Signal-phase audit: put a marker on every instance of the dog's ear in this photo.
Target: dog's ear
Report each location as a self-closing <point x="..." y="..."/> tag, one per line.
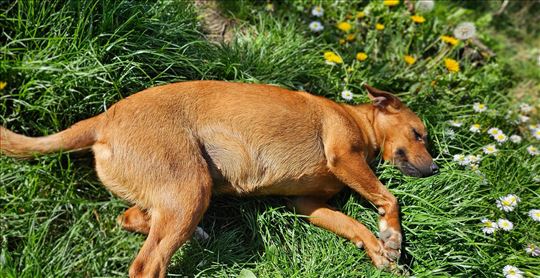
<point x="383" y="100"/>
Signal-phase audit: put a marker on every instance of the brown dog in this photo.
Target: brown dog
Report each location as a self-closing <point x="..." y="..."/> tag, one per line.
<point x="168" y="148"/>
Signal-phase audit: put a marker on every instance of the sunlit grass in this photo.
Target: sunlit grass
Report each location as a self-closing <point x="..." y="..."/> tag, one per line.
<point x="67" y="60"/>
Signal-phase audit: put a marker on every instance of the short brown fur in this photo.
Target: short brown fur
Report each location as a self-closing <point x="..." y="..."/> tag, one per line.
<point x="168" y="148"/>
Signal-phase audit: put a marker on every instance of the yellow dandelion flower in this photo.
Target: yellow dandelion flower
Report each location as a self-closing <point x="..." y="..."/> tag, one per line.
<point x="3" y="85"/>
<point x="390" y="3"/>
<point x="451" y="64"/>
<point x="360" y="14"/>
<point x="342" y="41"/>
<point x="449" y="39"/>
<point x="361" y="56"/>
<point x="344" y="26"/>
<point x="332" y="57"/>
<point x="409" y="59"/>
<point x="418" y="19"/>
<point x="379" y="26"/>
<point x="350" y="37"/>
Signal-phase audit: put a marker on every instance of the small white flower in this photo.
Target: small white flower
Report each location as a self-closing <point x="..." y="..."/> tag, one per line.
<point x="489" y="226"/>
<point x="536" y="178"/>
<point x="533" y="127"/>
<point x="473" y="159"/>
<point x="510" y="271"/>
<point x="475" y="128"/>
<point x="501" y="138"/>
<point x="515" y="139"/>
<point x="347" y="95"/>
<point x="479" y="107"/>
<point x="316" y="26"/>
<point x="455" y="123"/>
<point x="450" y="133"/>
<point x="532" y="250"/>
<point x="525" y="108"/>
<point x="494" y="131"/>
<point x="460" y="159"/>
<point x="523" y="118"/>
<point x="533" y="150"/>
<point x="536" y="133"/>
<point x="505" y="224"/>
<point x="535" y="214"/>
<point x="425" y="6"/>
<point x="317" y="11"/>
<point x="465" y="30"/>
<point x="508" y="203"/>
<point x="489" y="149"/>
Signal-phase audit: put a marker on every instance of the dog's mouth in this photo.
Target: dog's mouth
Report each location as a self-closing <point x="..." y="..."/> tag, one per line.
<point x="408" y="169"/>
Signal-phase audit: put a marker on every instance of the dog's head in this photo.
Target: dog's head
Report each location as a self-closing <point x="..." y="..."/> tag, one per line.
<point x="401" y="135"/>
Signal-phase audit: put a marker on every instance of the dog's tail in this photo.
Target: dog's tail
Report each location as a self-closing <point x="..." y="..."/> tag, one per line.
<point x="81" y="135"/>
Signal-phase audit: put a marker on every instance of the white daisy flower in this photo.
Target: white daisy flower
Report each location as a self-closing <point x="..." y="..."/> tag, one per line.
<point x="424" y="6"/>
<point x="510" y="271"/>
<point x="532" y="250"/>
<point x="347" y="95"/>
<point x="455" y="123"/>
<point x="460" y="159"/>
<point x="533" y="150"/>
<point x="474" y="167"/>
<point x="490" y="149"/>
<point x="534" y="127"/>
<point x="488" y="226"/>
<point x="523" y="118"/>
<point x="473" y="159"/>
<point x="508" y="203"/>
<point x="317" y="11"/>
<point x="501" y="138"/>
<point x="505" y="224"/>
<point x="494" y="131"/>
<point x="475" y="128"/>
<point x="525" y="108"/>
<point x="515" y="139"/>
<point x="465" y="30"/>
<point x="479" y="107"/>
<point x="316" y="26"/>
<point x="536" y="133"/>
<point x="535" y="214"/>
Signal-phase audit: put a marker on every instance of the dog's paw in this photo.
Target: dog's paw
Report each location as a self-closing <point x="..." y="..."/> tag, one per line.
<point x="391" y="240"/>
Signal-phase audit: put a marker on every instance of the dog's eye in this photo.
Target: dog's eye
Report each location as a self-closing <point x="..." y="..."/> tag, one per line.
<point x="417" y="135"/>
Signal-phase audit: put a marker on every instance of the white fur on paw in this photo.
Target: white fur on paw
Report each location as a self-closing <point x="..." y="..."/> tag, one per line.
<point x="200" y="234"/>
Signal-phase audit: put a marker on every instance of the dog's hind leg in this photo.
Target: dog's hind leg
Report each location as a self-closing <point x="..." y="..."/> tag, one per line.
<point x="171" y="224"/>
<point x="320" y="214"/>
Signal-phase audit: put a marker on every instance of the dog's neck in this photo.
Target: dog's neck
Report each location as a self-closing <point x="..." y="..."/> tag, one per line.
<point x="364" y="116"/>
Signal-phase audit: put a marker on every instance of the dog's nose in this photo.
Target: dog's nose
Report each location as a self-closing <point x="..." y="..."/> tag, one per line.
<point x="434" y="168"/>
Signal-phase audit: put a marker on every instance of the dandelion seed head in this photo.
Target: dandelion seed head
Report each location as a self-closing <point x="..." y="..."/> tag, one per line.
<point x="425" y="6"/>
<point x="515" y="139"/>
<point x="465" y="30"/>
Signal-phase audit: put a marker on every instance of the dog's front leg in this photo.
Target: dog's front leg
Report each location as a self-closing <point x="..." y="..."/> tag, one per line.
<point x="321" y="215"/>
<point x="351" y="168"/>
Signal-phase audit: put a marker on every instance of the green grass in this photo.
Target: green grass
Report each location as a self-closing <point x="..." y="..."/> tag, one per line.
<point x="68" y="60"/>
